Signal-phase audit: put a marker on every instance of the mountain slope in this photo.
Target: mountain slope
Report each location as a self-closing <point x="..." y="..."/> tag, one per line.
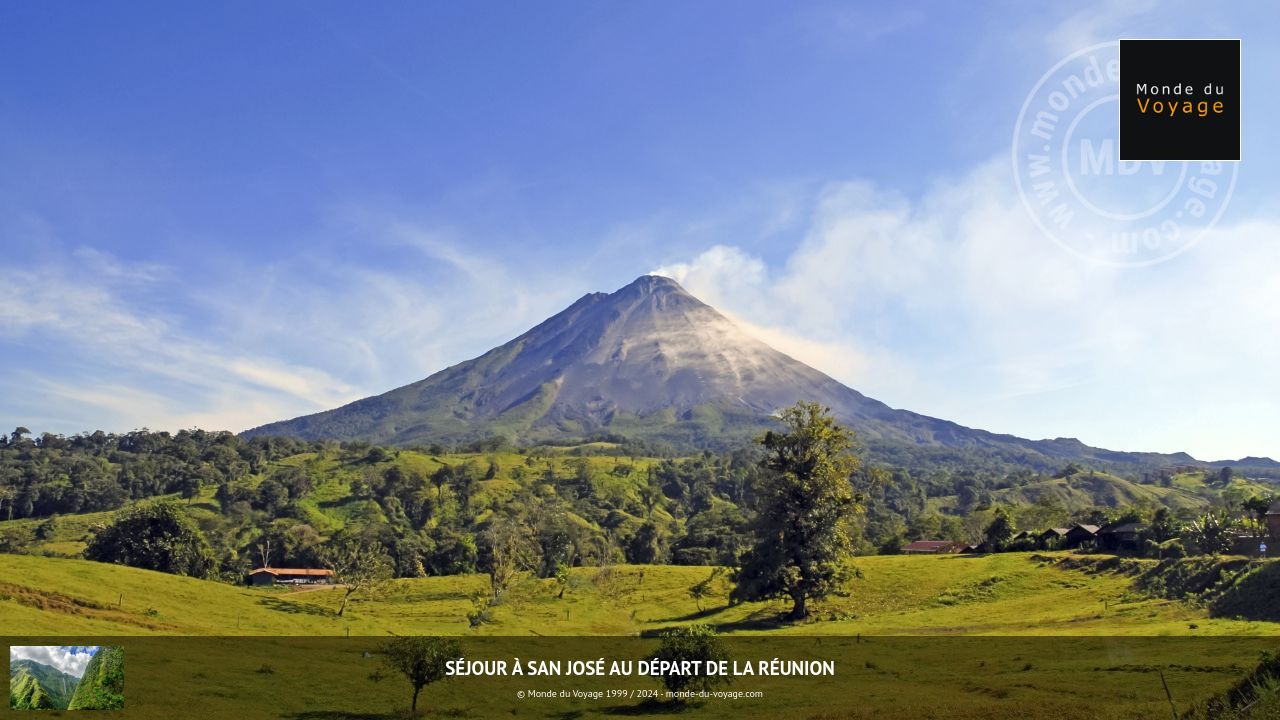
<point x="102" y="687"/>
<point x="36" y="686"/>
<point x="648" y="361"/>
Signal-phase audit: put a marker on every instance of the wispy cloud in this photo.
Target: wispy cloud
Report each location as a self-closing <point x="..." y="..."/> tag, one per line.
<point x="117" y="345"/>
<point x="91" y="318"/>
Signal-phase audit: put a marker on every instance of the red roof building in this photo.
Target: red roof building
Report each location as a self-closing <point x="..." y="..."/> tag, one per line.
<point x="290" y="576"/>
<point x="934" y="547"/>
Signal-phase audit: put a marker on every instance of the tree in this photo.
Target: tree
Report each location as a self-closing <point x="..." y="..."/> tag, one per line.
<point x="509" y="548"/>
<point x="998" y="534"/>
<point x="1211" y="533"/>
<point x="153" y="536"/>
<point x="1225" y="475"/>
<point x="359" y="566"/>
<point x="651" y="497"/>
<point x="1257" y="507"/>
<point x="805" y="503"/>
<point x="421" y="660"/>
<point x="47" y="529"/>
<point x="466" y="483"/>
<point x="649" y="545"/>
<point x="441" y="477"/>
<point x="702" y="589"/>
<point x="1164" y="526"/>
<point x="7" y="495"/>
<point x="693" y="642"/>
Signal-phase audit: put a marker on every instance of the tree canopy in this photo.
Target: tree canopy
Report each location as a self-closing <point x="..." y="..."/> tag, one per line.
<point x="153" y="536"/>
<point x="805" y="503"/>
<point x="420" y="659"/>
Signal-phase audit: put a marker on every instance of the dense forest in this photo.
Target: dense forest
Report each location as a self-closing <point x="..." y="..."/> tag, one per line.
<point x="435" y="510"/>
<point x="57" y="475"/>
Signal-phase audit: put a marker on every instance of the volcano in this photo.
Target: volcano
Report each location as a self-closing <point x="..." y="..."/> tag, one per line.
<point x="651" y="362"/>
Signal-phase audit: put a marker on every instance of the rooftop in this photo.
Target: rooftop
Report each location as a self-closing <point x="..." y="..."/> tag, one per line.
<point x="1125" y="528"/>
<point x="930" y="544"/>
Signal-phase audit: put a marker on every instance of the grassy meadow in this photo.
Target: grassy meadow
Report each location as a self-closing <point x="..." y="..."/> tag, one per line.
<point x="1004" y="594"/>
<point x="1009" y="635"/>
<point x="1035" y="635"/>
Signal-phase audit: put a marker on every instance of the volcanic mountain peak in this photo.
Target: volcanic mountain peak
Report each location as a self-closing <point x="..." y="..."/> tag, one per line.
<point x="647" y="361"/>
<point x="648" y="354"/>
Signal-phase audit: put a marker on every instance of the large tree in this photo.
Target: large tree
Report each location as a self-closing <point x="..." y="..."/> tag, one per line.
<point x="805" y="503"/>
<point x="421" y="659"/>
<point x="153" y="536"/>
<point x="999" y="532"/>
<point x="360" y="566"/>
<point x="509" y="548"/>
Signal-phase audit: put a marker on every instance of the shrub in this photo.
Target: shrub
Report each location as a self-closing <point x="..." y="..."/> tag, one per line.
<point x="1174" y="548"/>
<point x="694" y="642"/>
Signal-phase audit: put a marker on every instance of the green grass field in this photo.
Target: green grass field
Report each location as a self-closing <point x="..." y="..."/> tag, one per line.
<point x="1007" y="594"/>
<point x="1046" y="637"/>
<point x="1036" y="635"/>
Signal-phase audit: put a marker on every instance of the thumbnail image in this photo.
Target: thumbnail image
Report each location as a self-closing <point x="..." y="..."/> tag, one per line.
<point x="66" y="677"/>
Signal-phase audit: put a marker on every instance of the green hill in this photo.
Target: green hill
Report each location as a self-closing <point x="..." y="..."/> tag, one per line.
<point x="1005" y="594"/>
<point x="1086" y="489"/>
<point x="335" y="499"/>
<point x="36" y="686"/>
<point x="102" y="687"/>
<point x="596" y="499"/>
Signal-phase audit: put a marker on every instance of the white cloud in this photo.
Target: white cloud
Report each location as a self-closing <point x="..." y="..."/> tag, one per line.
<point x="953" y="304"/>
<point x="110" y="344"/>
<point x="95" y="311"/>
<point x="70" y="659"/>
<point x="956" y="305"/>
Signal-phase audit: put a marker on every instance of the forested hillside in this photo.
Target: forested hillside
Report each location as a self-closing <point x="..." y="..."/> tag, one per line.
<point x="36" y="686"/>
<point x="234" y="504"/>
<point x="102" y="687"/>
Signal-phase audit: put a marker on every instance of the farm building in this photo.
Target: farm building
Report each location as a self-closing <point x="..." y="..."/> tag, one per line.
<point x="1079" y="535"/>
<point x="934" y="547"/>
<point x="1052" y="538"/>
<point x="1273" y="520"/>
<point x="1124" y="536"/>
<point x="290" y="576"/>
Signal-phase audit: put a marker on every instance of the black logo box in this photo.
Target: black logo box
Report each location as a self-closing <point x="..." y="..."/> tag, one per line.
<point x="1158" y="78"/>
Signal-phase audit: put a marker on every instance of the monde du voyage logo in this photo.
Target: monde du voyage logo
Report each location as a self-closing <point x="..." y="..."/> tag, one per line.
<point x="1124" y="152"/>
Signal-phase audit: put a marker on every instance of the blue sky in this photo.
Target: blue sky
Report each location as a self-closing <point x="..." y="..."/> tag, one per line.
<point x="227" y="215"/>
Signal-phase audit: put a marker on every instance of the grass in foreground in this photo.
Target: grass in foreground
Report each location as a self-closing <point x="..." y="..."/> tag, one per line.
<point x="1008" y="594"/>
